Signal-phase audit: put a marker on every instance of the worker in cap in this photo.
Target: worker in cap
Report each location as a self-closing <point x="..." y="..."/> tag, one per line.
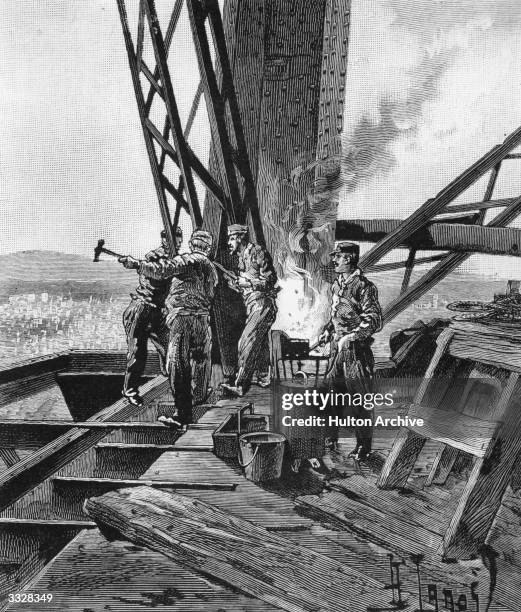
<point x="193" y="279"/>
<point x="256" y="282"/>
<point x="346" y="247"/>
<point x="355" y="316"/>
<point x="237" y="229"/>
<point x="144" y="320"/>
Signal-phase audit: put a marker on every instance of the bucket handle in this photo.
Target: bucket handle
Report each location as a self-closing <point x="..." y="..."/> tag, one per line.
<point x="248" y="462"/>
<point x="240" y="415"/>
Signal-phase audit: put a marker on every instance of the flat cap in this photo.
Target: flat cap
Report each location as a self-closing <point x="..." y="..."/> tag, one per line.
<point x="237" y="228"/>
<point x="346" y="247"/>
<point x="202" y="236"/>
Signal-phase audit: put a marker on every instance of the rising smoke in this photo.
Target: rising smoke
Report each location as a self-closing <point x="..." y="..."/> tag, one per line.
<point x="425" y="82"/>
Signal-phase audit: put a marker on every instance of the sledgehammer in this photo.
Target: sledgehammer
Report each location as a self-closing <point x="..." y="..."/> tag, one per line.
<point x="99" y="249"/>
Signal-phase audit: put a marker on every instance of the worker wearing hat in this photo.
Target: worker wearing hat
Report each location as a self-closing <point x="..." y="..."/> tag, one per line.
<point x="256" y="283"/>
<point x="193" y="279"/>
<point x="143" y="320"/>
<point x="355" y="316"/>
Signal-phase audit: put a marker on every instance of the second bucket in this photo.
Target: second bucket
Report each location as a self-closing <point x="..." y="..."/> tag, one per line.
<point x="261" y="455"/>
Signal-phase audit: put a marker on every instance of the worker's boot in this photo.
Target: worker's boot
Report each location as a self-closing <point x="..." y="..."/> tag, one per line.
<point x="170" y="422"/>
<point x="231" y="390"/>
<point x="133" y="397"/>
<point x="361" y="452"/>
<point x="262" y="380"/>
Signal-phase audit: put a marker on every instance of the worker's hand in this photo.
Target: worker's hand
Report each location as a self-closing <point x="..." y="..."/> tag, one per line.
<point x="129" y="262"/>
<point x="244" y="283"/>
<point x="233" y="285"/>
<point x="345" y="341"/>
<point x="324" y="337"/>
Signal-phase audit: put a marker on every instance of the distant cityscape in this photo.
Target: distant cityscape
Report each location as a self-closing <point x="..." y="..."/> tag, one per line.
<point x="38" y="324"/>
<point x="44" y="322"/>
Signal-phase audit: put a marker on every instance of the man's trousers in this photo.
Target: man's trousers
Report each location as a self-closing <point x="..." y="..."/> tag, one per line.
<point x="142" y="322"/>
<point x="254" y="341"/>
<point x="189" y="362"/>
<point x="352" y="371"/>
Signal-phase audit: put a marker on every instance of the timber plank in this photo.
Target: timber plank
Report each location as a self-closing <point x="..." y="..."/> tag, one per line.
<point x="365" y="526"/>
<point x="374" y="525"/>
<point x="236" y="552"/>
<point x="251" y="503"/>
<point x="354" y="551"/>
<point x="215" y="416"/>
<point x="139" y="579"/>
<point x="186" y="467"/>
<point x="460" y="431"/>
<point x="197" y="437"/>
<point x="411" y="508"/>
<point x="24" y="523"/>
<point x="31" y="435"/>
<point x="145" y="446"/>
<point x="28" y="473"/>
<point x="89" y="483"/>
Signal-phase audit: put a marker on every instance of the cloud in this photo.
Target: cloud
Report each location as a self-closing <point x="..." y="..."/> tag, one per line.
<point x="431" y="86"/>
<point x="369" y="152"/>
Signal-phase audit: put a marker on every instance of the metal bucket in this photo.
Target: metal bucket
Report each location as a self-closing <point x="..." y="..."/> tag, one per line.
<point x="304" y="442"/>
<point x="261" y="455"/>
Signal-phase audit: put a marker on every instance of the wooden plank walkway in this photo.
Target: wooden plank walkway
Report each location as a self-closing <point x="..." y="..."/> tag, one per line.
<point x="351" y="523"/>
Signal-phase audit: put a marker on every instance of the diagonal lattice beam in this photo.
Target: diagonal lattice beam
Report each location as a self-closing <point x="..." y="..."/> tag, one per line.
<point x="438" y="204"/>
<point x="223" y="112"/>
<point x="237" y="194"/>
<point x="448" y="264"/>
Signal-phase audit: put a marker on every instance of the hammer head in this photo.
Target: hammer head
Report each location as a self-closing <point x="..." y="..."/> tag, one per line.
<point x="98" y="249"/>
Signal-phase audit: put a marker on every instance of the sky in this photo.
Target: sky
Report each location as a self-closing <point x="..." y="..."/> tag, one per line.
<point x="431" y="86"/>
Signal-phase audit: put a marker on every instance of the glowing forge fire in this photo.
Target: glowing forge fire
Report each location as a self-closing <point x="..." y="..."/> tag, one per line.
<point x="303" y="310"/>
<point x="302" y="237"/>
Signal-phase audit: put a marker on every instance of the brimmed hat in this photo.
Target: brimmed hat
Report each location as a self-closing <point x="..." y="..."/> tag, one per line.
<point x="237" y="228"/>
<point x="346" y="247"/>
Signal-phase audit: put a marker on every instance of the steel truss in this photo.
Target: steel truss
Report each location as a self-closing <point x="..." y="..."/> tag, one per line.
<point x="234" y="190"/>
<point x="425" y="221"/>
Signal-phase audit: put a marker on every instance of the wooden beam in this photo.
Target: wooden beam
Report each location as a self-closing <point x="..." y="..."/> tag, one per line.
<point x="438" y="236"/>
<point x="488" y="480"/>
<point x="459" y="208"/>
<point x="409" y="266"/>
<point x="442" y="465"/>
<point x="91" y="484"/>
<point x="54" y="363"/>
<point x="409" y="444"/>
<point x="435" y="206"/>
<point x="227" y="549"/>
<point x="32" y="470"/>
<point x="31" y="435"/>
<point x="9" y="456"/>
<point x="397" y="265"/>
<point x="446" y="265"/>
<point x="124" y="446"/>
<point x="460" y="431"/>
<point x="8" y="524"/>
